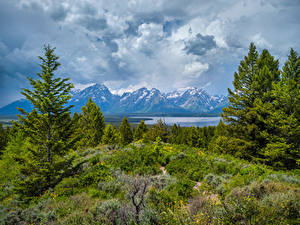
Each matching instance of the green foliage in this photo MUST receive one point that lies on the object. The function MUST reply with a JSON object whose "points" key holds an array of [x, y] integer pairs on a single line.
{"points": [[49, 129], [110, 212], [140, 131], [128, 186], [37, 214], [284, 121], [67, 187], [158, 130], [110, 136], [126, 135], [9, 167], [191, 136], [94, 174], [262, 116], [91, 125], [3, 138], [136, 160]]}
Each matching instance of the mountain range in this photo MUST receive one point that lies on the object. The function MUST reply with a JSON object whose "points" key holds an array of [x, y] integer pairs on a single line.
{"points": [[143, 100]]}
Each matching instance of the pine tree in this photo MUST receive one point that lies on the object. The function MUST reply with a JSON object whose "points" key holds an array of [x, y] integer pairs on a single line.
{"points": [[159, 130], [48, 128], [140, 131], [3, 138], [193, 137], [126, 135], [283, 121], [246, 113], [175, 133], [91, 124], [110, 136]]}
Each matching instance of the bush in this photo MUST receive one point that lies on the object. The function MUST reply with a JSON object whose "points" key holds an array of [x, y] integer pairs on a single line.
{"points": [[33, 215], [214, 180], [112, 187], [112, 212], [95, 174], [68, 186], [183, 187]]}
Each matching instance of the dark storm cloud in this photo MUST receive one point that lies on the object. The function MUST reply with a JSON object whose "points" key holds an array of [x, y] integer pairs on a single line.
{"points": [[17, 58], [200, 44]]}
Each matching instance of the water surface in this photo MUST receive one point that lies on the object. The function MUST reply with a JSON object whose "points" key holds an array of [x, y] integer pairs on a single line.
{"points": [[184, 121]]}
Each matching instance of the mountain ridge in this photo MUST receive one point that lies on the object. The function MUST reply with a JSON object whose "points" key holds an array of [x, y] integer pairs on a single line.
{"points": [[143, 100]]}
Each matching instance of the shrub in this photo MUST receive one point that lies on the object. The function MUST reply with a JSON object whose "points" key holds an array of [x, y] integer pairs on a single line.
{"points": [[112, 187], [183, 187], [112, 212], [149, 216], [33, 215], [68, 186], [214, 180], [95, 174]]}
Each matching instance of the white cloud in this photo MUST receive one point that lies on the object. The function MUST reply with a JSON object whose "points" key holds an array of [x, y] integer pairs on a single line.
{"points": [[130, 88], [79, 86], [195, 69], [260, 41]]}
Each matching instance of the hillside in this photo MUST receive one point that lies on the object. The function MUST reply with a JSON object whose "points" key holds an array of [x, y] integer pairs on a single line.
{"points": [[159, 183], [188, 100]]}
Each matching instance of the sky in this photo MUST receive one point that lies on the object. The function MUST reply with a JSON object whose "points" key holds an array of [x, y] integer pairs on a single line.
{"points": [[129, 44]]}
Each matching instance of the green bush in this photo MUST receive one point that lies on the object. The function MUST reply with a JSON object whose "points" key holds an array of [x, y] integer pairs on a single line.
{"points": [[68, 186], [183, 187], [95, 174]]}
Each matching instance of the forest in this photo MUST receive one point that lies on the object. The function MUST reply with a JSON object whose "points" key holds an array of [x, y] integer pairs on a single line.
{"points": [[63, 168]]}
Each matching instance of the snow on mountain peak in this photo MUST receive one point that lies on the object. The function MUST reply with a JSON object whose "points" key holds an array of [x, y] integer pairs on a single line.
{"points": [[189, 99]]}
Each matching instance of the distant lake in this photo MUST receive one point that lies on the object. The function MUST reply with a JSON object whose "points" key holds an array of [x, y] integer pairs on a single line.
{"points": [[183, 121]]}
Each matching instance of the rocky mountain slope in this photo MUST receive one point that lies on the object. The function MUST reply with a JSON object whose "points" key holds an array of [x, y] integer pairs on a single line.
{"points": [[143, 100]]}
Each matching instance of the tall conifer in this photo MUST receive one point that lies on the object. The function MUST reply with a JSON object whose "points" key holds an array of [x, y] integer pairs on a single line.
{"points": [[91, 124], [140, 130], [48, 127], [126, 135]]}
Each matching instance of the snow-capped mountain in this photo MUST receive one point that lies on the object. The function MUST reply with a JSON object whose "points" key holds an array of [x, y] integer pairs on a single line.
{"points": [[143, 100], [191, 99], [98, 92]]}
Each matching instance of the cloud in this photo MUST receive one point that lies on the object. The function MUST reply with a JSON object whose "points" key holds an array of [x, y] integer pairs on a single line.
{"points": [[195, 69], [130, 44], [200, 44]]}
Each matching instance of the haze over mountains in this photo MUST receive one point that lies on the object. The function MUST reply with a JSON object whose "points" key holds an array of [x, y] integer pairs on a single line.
{"points": [[143, 100]]}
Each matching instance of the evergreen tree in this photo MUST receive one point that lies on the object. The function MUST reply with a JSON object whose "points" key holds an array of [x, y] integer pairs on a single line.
{"points": [[126, 135], [158, 130], [283, 120], [175, 133], [193, 137], [140, 130], [3, 138], [91, 124], [48, 128], [77, 134], [253, 85], [110, 136]]}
